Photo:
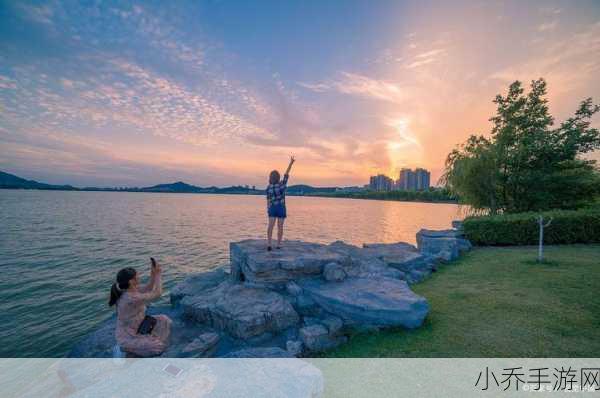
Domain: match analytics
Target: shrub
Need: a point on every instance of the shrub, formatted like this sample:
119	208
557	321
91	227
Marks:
568	226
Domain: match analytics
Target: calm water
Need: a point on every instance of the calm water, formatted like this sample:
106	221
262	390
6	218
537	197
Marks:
60	251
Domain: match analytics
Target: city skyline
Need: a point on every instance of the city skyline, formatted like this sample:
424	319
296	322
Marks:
220	93
418	179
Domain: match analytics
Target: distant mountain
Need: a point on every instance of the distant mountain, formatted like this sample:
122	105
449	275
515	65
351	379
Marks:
179	186
307	189
10	181
182	187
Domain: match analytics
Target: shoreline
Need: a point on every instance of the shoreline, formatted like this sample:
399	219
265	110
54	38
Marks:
236	194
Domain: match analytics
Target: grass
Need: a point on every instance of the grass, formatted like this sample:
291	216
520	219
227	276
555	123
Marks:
499	302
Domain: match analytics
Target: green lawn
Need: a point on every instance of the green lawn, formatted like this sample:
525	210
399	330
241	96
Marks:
498	302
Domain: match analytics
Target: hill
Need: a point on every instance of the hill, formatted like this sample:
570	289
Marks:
10	181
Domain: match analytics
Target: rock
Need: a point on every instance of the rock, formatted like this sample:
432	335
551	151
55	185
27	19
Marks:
250	261
390	248
294	347
97	344
445	245
402	256
334	272
260	352
391	260
464	245
241	311
309	321
378	302
415	277
444	233
101	342
293	289
333	324
365	262
446	249
197	283
316	338
203	346
306	306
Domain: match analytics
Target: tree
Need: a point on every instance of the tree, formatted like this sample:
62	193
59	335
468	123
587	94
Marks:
526	165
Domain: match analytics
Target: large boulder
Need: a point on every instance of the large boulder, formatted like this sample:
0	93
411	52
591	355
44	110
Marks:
370	301
196	283
250	261
241	311
444	245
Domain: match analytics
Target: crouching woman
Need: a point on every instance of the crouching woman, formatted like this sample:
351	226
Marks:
137	333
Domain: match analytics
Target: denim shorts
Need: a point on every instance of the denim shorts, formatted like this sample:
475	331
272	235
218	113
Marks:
277	210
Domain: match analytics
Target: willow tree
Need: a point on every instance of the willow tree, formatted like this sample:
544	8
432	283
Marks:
526	164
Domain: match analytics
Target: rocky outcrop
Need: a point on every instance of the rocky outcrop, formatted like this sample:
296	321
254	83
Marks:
241	311
300	299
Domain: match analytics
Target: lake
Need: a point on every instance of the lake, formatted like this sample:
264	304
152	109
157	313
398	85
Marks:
60	251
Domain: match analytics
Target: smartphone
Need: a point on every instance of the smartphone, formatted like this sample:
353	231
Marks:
172	370
153	262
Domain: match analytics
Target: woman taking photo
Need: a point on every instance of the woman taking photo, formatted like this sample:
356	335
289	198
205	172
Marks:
136	332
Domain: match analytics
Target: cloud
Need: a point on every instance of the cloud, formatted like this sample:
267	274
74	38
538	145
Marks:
41	14
547	26
425	58
360	85
566	63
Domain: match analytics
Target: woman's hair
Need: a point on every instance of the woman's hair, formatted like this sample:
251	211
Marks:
274	177
122	284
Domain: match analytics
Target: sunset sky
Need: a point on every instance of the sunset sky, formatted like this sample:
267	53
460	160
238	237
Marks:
221	92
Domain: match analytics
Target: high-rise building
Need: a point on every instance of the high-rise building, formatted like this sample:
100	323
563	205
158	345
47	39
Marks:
422	179
406	180
414	180
381	182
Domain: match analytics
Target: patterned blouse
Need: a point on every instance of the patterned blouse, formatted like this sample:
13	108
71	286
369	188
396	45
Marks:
276	192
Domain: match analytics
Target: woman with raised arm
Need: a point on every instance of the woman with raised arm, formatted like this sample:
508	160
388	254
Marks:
137	333
276	203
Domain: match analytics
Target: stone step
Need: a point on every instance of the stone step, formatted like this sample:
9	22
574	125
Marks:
241	311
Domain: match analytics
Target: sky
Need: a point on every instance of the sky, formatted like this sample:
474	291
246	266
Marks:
221	92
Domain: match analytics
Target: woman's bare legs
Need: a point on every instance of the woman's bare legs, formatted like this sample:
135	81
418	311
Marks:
270	230
279	230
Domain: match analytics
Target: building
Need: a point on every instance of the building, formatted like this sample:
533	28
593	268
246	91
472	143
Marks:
381	182
406	180
414	180
422	179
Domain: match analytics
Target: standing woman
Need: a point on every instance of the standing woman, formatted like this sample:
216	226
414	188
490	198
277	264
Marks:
137	333
276	203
